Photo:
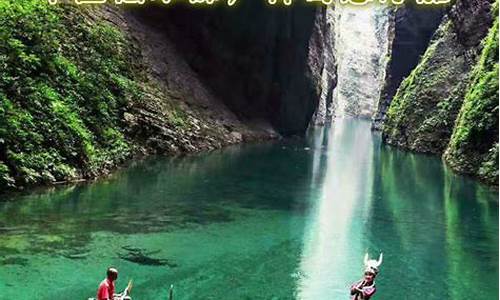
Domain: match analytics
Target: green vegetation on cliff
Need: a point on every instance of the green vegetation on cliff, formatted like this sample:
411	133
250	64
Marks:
449	103
423	111
473	147
81	91
65	82
68	79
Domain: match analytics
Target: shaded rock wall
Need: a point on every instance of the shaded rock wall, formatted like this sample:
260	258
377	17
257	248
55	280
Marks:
323	64
212	123
255	58
423	113
162	80
410	30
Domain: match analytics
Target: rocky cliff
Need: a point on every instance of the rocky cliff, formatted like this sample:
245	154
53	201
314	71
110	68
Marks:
361	45
323	64
410	30
423	113
473	147
83	89
265	63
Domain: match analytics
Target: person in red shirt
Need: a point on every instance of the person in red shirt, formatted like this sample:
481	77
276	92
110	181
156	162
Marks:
106	289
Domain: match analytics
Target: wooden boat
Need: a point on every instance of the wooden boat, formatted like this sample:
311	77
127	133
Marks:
125	295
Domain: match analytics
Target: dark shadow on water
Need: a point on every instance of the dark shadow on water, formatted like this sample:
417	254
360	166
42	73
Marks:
144	257
13	260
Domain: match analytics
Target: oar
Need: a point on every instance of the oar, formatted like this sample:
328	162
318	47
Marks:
127	290
171	292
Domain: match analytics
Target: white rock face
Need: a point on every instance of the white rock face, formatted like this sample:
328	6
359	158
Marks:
361	47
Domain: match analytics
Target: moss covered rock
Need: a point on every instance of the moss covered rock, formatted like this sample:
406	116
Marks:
411	28
423	114
423	111
473	147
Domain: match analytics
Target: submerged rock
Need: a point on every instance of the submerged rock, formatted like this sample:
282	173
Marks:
144	257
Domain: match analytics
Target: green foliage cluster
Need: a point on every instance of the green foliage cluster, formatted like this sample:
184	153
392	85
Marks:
474	144
64	84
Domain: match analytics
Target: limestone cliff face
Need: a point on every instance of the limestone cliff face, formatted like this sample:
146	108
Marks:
410	30
119	82
361	44
265	63
423	113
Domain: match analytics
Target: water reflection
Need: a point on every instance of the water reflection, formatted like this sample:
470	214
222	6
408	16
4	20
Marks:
159	186
209	216
284	220
438	231
333	236
470	249
429	222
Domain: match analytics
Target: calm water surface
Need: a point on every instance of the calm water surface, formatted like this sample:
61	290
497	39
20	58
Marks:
289	220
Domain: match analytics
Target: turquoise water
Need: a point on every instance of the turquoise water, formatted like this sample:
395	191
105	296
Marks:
286	220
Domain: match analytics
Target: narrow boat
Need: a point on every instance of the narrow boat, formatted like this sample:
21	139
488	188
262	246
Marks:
125	295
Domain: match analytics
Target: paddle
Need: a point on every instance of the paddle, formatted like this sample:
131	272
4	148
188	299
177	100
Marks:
126	292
